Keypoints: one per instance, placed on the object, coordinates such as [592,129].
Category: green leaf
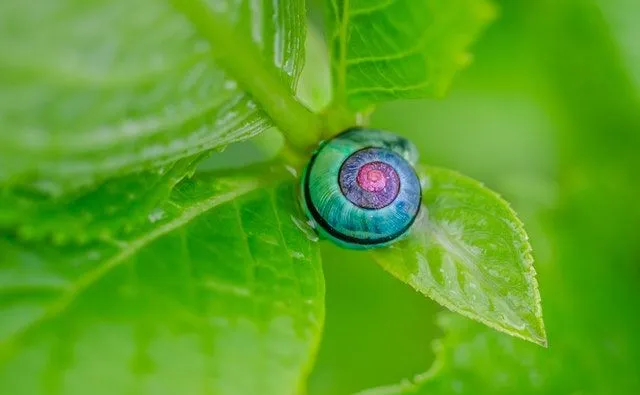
[221,295]
[89,90]
[471,254]
[474,360]
[389,49]
[314,88]
[115,205]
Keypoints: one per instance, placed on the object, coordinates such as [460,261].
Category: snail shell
[360,188]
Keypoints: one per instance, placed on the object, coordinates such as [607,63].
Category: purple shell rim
[368,194]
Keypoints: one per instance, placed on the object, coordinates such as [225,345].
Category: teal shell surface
[360,189]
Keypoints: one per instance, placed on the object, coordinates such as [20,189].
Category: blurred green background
[548,114]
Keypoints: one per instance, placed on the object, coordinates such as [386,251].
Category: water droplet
[307,227]
[278,49]
[230,85]
[297,254]
[292,170]
[425,182]
[156,215]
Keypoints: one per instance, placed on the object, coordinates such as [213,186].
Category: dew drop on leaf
[230,85]
[306,227]
[156,215]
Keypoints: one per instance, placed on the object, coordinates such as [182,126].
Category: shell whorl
[360,188]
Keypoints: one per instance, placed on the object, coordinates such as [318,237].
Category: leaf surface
[89,90]
[389,49]
[470,253]
[222,294]
[113,206]
[475,360]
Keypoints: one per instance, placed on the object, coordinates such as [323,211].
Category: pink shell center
[371,177]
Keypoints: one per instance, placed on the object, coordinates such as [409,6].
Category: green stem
[337,118]
[238,55]
[272,144]
[291,157]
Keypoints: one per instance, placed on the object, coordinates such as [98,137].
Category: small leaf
[475,360]
[471,254]
[89,90]
[221,295]
[390,49]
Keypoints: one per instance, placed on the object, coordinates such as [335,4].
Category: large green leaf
[221,294]
[91,89]
[471,254]
[114,205]
[388,49]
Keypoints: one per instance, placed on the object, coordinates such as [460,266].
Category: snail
[360,189]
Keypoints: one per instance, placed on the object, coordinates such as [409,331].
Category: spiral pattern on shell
[360,189]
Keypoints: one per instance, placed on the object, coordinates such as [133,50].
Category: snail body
[360,189]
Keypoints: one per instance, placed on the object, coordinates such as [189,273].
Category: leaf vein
[92,276]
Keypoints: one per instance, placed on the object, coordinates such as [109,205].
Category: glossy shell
[360,189]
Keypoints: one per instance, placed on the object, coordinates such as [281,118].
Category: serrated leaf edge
[526,256]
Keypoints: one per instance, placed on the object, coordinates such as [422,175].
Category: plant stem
[291,157]
[337,118]
[238,55]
